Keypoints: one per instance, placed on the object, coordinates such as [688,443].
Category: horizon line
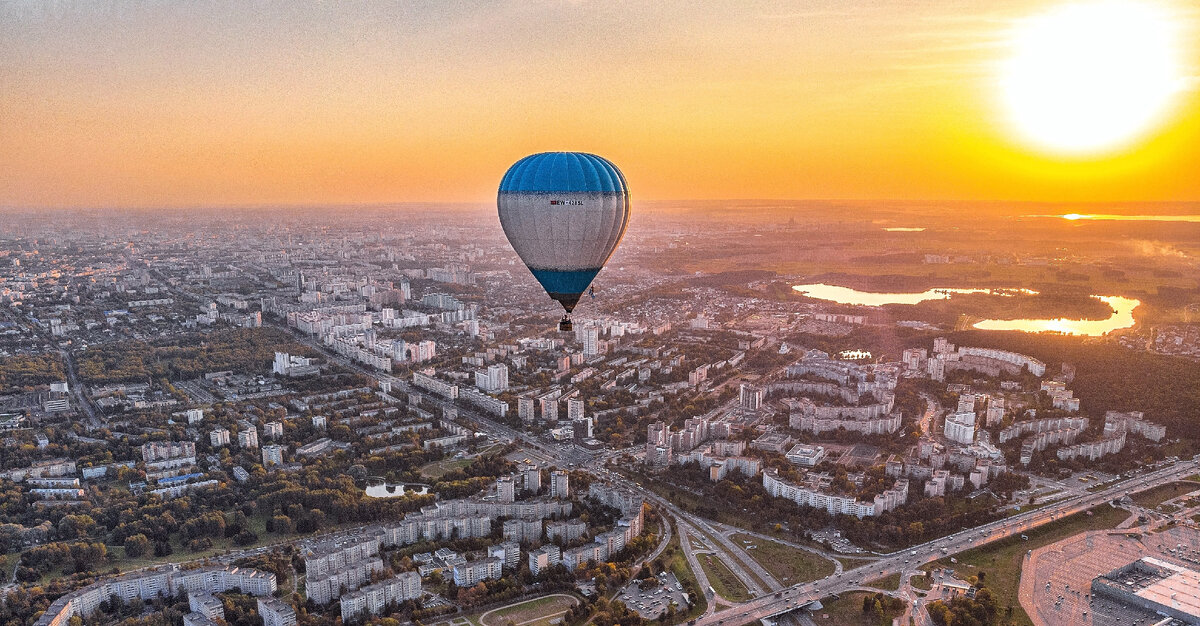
[471,205]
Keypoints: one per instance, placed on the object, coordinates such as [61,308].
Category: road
[778,599]
[81,398]
[802,594]
[928,421]
[685,542]
[837,565]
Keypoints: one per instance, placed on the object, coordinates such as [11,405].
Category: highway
[800,595]
[778,599]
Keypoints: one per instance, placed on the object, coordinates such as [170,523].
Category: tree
[282,525]
[75,526]
[136,545]
[245,538]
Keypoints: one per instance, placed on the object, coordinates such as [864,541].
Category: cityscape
[269,357]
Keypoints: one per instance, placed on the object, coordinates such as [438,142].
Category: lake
[846,295]
[385,490]
[1122,316]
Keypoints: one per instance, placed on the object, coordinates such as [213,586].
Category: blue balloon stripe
[563,172]
[572,282]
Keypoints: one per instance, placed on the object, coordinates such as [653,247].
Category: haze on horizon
[227,103]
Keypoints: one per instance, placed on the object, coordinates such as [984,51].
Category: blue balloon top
[563,172]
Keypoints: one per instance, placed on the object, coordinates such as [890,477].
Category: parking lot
[653,602]
[1062,574]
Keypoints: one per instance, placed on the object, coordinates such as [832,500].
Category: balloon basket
[564,325]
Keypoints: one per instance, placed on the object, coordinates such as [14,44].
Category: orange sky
[248,103]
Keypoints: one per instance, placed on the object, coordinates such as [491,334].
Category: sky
[249,103]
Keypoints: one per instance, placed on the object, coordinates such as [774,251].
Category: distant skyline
[255,103]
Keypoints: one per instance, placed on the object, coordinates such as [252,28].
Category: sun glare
[1091,77]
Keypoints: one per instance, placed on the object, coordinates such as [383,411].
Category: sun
[1091,77]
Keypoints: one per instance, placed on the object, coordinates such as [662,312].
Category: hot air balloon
[564,213]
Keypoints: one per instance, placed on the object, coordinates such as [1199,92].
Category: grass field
[847,611]
[851,563]
[787,564]
[437,469]
[1002,560]
[887,583]
[536,612]
[723,580]
[1156,496]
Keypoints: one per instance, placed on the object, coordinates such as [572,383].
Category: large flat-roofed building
[806,455]
[1154,585]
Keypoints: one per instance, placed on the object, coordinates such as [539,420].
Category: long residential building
[327,587]
[809,495]
[1039,426]
[325,557]
[469,573]
[430,383]
[371,600]
[1092,450]
[886,424]
[1019,361]
[1136,423]
[161,582]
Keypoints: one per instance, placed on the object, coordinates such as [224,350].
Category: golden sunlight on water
[1125,218]
[1122,316]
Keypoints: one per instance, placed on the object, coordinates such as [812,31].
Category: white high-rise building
[248,437]
[532,478]
[423,351]
[591,341]
[272,455]
[575,409]
[543,558]
[492,380]
[936,366]
[995,412]
[498,377]
[549,407]
[400,350]
[560,484]
[960,427]
[751,397]
[219,437]
[273,430]
[525,408]
[506,489]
